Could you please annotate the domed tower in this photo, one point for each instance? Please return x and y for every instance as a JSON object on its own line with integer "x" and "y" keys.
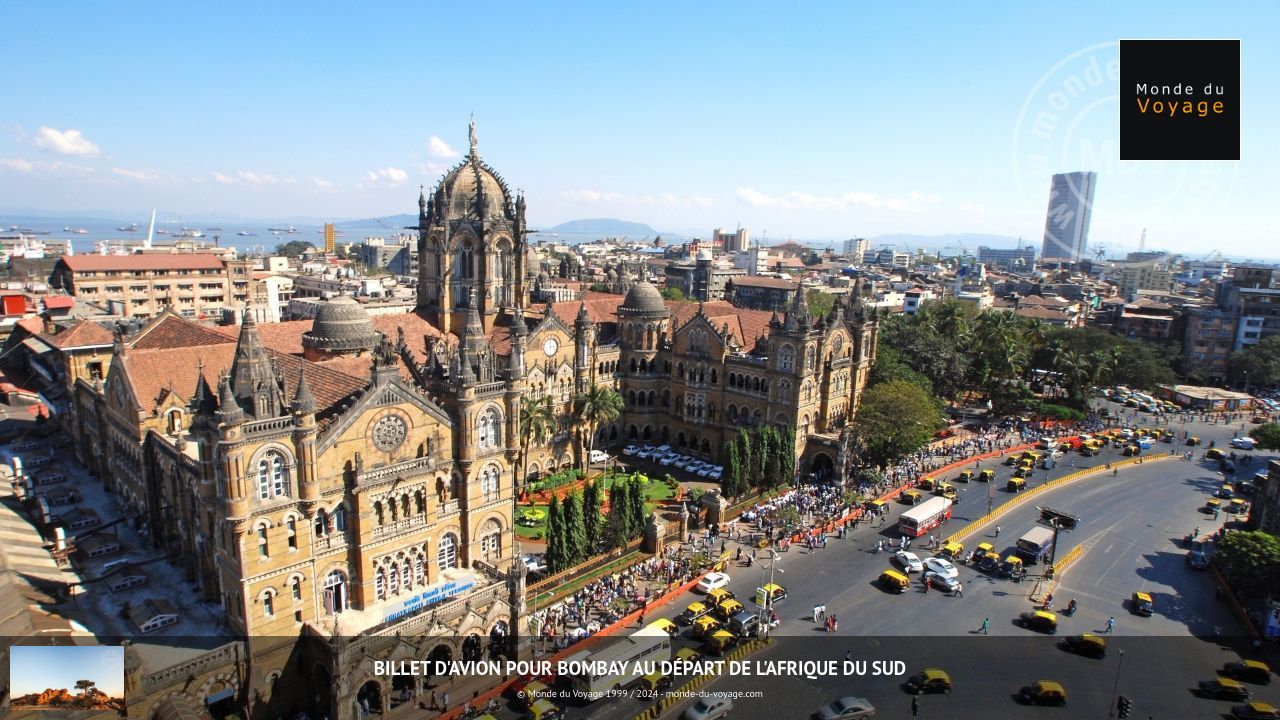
{"x": 642, "y": 322}
{"x": 341, "y": 327}
{"x": 471, "y": 238}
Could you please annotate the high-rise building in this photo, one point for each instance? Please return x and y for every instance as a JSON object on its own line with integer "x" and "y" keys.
{"x": 856, "y": 248}
{"x": 1066, "y": 225}
{"x": 1019, "y": 258}
{"x": 731, "y": 242}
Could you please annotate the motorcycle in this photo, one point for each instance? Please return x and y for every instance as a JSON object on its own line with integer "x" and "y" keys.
{"x": 1071, "y": 609}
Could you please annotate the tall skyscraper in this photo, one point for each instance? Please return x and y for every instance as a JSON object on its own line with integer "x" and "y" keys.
{"x": 731, "y": 242}
{"x": 1066, "y": 226}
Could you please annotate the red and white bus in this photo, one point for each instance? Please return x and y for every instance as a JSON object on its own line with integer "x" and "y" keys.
{"x": 924, "y": 517}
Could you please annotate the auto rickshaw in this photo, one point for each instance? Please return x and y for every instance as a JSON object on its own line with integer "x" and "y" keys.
{"x": 964, "y": 476}
{"x": 654, "y": 682}
{"x": 532, "y": 693}
{"x": 1193, "y": 441}
{"x": 544, "y": 710}
{"x": 926, "y": 484}
{"x": 912, "y": 497}
{"x": 1132, "y": 450}
{"x": 876, "y": 507}
{"x": 688, "y": 654}
{"x": 703, "y": 627}
{"x": 1238, "y": 507}
{"x": 1087, "y": 644}
{"x": 1012, "y": 460}
{"x": 666, "y": 626}
{"x": 989, "y": 562}
{"x": 1214, "y": 454}
{"x": 728, "y": 609}
{"x": 1012, "y": 567}
{"x": 717, "y": 596}
{"x": 947, "y": 491}
{"x": 1167, "y": 436}
{"x": 1254, "y": 671}
{"x": 1142, "y": 604}
{"x": 1023, "y": 472}
{"x": 721, "y": 642}
{"x": 952, "y": 550}
{"x": 1212, "y": 506}
{"x": 1015, "y": 485}
{"x": 987, "y": 475}
{"x": 894, "y": 581}
{"x": 1225, "y": 491}
{"x": 770, "y": 594}
{"x": 695, "y": 611}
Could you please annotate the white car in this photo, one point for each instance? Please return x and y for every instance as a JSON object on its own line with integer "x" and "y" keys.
{"x": 846, "y": 708}
{"x": 1243, "y": 443}
{"x": 599, "y": 456}
{"x": 668, "y": 459}
{"x": 664, "y": 449}
{"x": 695, "y": 466}
{"x": 715, "y": 474}
{"x": 680, "y": 461}
{"x": 630, "y": 450}
{"x": 644, "y": 453}
{"x": 941, "y": 566}
{"x": 713, "y": 581}
{"x": 706, "y": 471}
{"x": 909, "y": 561}
{"x": 709, "y": 708}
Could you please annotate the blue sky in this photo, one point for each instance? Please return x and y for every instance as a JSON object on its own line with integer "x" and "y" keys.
{"x": 806, "y": 121}
{"x": 34, "y": 669}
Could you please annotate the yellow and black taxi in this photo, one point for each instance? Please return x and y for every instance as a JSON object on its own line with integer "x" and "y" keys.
{"x": 1016, "y": 483}
{"x": 1255, "y": 711}
{"x": 1214, "y": 454}
{"x": 654, "y": 682}
{"x": 1142, "y": 604}
{"x": 695, "y": 611}
{"x": 964, "y": 476}
{"x": 1086, "y": 644}
{"x": 770, "y": 594}
{"x": 533, "y": 692}
{"x": 1132, "y": 450}
{"x": 666, "y": 626}
{"x": 721, "y": 642}
{"x": 1044, "y": 692}
{"x": 948, "y": 491}
{"x": 1193, "y": 441}
{"x": 1167, "y": 436}
{"x": 894, "y": 581}
{"x": 1041, "y": 621}
{"x": 951, "y": 550}
{"x": 989, "y": 561}
{"x": 926, "y": 484}
{"x": 717, "y": 596}
{"x": 1221, "y": 688}
{"x": 703, "y": 627}
{"x": 688, "y": 654}
{"x": 544, "y": 710}
{"x": 911, "y": 497}
{"x": 1012, "y": 460}
{"x": 728, "y": 609}
{"x": 1211, "y": 505}
{"x": 1251, "y": 671}
{"x": 987, "y": 475}
{"x": 930, "y": 680}
{"x": 1237, "y": 506}
{"x": 1224, "y": 491}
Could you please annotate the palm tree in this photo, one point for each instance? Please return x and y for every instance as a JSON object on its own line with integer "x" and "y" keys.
{"x": 537, "y": 423}
{"x": 949, "y": 320}
{"x": 597, "y": 405}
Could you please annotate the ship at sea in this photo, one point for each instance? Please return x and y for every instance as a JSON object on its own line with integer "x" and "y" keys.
{"x": 246, "y": 233}
{"x": 131, "y": 227}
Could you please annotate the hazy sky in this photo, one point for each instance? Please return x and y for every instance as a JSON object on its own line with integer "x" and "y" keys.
{"x": 822, "y": 120}
{"x": 36, "y": 669}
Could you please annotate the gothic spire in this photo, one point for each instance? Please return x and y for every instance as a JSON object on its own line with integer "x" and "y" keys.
{"x": 254, "y": 380}
{"x": 229, "y": 411}
{"x": 304, "y": 403}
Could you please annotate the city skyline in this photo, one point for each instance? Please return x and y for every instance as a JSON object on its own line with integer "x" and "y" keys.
{"x": 838, "y": 122}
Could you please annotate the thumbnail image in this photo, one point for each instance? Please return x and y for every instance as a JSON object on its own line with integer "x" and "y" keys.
{"x": 66, "y": 682}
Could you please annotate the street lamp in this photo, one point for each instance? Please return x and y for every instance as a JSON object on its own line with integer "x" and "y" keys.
{"x": 767, "y": 605}
{"x": 1115, "y": 689}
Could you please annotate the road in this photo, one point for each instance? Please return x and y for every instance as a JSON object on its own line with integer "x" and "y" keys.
{"x": 1131, "y": 529}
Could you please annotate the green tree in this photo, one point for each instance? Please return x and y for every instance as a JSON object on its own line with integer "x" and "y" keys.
{"x": 1259, "y": 364}
{"x": 895, "y": 419}
{"x": 773, "y": 457}
{"x": 537, "y": 424}
{"x": 1250, "y": 561}
{"x": 820, "y": 303}
{"x": 596, "y": 406}
{"x": 889, "y": 365}
{"x": 84, "y": 685}
{"x": 575, "y": 529}
{"x": 673, "y": 293}
{"x": 293, "y": 248}
{"x": 746, "y": 457}
{"x": 759, "y": 455}
{"x": 787, "y": 457}
{"x": 730, "y": 479}
{"x": 592, "y": 520}
{"x": 1267, "y": 435}
{"x": 635, "y": 508}
{"x": 557, "y": 557}
{"x": 617, "y": 528}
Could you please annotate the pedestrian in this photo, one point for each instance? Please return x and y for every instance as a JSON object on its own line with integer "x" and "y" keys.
{"x": 822, "y": 612}
{"x": 1111, "y": 624}
{"x": 997, "y": 531}
{"x": 434, "y": 705}
{"x": 816, "y": 610}
{"x": 959, "y": 589}
{"x": 986, "y": 625}
{"x": 444, "y": 702}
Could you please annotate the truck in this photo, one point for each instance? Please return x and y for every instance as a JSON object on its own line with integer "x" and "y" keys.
{"x": 1035, "y": 544}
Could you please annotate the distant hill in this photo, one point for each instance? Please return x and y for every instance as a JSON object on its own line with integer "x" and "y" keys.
{"x": 970, "y": 241}
{"x": 602, "y": 226}
{"x": 393, "y": 221}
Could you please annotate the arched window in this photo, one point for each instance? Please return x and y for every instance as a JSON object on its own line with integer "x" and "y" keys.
{"x": 291, "y": 531}
{"x": 322, "y": 523}
{"x": 175, "y": 421}
{"x": 340, "y": 518}
{"x": 447, "y": 553}
{"x": 263, "y": 549}
{"x": 419, "y": 570}
{"x": 269, "y": 603}
{"x": 491, "y": 540}
{"x": 489, "y": 429}
{"x": 335, "y": 591}
{"x": 810, "y": 357}
{"x": 296, "y": 586}
{"x": 380, "y": 584}
{"x": 273, "y": 482}
{"x": 786, "y": 358}
{"x": 466, "y": 268}
{"x": 489, "y": 483}
{"x": 393, "y": 580}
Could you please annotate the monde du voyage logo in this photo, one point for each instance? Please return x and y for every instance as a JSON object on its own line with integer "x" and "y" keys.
{"x": 1179, "y": 99}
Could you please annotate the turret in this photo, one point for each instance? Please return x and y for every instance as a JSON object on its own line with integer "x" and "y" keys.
{"x": 229, "y": 412}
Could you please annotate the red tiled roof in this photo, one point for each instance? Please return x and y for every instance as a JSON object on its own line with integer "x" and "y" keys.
{"x": 744, "y": 325}
{"x": 1040, "y": 312}
{"x": 285, "y": 337}
{"x": 149, "y": 261}
{"x": 59, "y": 302}
{"x": 33, "y": 325}
{"x": 83, "y": 334}
{"x": 169, "y": 330}
{"x": 762, "y": 281}
{"x": 601, "y": 308}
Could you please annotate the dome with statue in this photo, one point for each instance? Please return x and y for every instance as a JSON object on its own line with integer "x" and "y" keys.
{"x": 341, "y": 326}
{"x": 461, "y": 190}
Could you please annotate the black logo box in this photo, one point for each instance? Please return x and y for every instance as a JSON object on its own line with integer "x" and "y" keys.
{"x": 1154, "y": 125}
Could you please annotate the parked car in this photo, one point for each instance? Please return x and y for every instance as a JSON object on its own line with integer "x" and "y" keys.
{"x": 630, "y": 450}
{"x": 709, "y": 708}
{"x": 599, "y": 456}
{"x": 846, "y": 708}
{"x": 1224, "y": 689}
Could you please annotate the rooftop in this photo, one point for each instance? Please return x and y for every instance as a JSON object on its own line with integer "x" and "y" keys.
{"x": 170, "y": 261}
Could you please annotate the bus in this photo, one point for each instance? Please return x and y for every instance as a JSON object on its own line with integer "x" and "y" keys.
{"x": 924, "y": 517}
{"x": 648, "y": 644}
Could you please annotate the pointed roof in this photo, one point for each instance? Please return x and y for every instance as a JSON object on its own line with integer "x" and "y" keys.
{"x": 253, "y": 372}
{"x": 83, "y": 334}
{"x": 303, "y": 401}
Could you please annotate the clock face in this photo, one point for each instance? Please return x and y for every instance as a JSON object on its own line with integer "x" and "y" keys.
{"x": 550, "y": 346}
{"x": 389, "y": 432}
